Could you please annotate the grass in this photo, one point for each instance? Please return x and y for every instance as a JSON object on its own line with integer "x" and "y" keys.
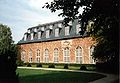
{"x": 44, "y": 76}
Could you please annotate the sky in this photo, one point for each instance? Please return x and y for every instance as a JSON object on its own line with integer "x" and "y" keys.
{"x": 20, "y": 15}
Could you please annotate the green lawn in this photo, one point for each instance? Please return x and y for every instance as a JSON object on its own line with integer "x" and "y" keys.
{"x": 44, "y": 76}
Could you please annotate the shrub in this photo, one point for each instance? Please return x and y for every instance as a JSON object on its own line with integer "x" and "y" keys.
{"x": 39, "y": 65}
{"x": 51, "y": 66}
{"x": 28, "y": 64}
{"x": 66, "y": 66}
{"x": 83, "y": 68}
{"x": 19, "y": 63}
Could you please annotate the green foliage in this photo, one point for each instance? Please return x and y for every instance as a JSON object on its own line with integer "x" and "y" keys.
{"x": 8, "y": 54}
{"x": 104, "y": 14}
{"x": 19, "y": 63}
{"x": 51, "y": 66}
{"x": 66, "y": 66}
{"x": 83, "y": 68}
{"x": 28, "y": 65}
{"x": 39, "y": 65}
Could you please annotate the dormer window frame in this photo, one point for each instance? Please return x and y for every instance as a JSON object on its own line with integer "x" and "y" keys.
{"x": 59, "y": 25}
{"x": 50, "y": 27}
{"x": 47, "y": 33}
{"x": 70, "y": 23}
{"x": 28, "y": 31}
{"x": 35, "y": 29}
{"x": 58, "y": 32}
{"x": 78, "y": 28}
{"x": 25, "y": 36}
{"x": 39, "y": 34}
{"x": 67, "y": 31}
{"x": 42, "y": 28}
{"x": 32, "y": 36}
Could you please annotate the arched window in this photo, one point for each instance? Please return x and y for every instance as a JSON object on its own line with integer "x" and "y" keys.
{"x": 79, "y": 55}
{"x": 30, "y": 56}
{"x": 23, "y": 53}
{"x": 56, "y": 55}
{"x": 46, "y": 56}
{"x": 66, "y": 55}
{"x": 90, "y": 57}
{"x": 38, "y": 56}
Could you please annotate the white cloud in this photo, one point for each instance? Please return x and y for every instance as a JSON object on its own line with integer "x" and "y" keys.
{"x": 26, "y": 14}
{"x": 37, "y": 4}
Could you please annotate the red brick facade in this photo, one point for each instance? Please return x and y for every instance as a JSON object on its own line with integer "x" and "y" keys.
{"x": 84, "y": 43}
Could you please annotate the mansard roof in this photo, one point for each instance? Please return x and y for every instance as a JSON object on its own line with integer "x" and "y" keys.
{"x": 34, "y": 31}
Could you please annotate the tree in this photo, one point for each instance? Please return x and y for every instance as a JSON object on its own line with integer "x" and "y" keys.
{"x": 8, "y": 54}
{"x": 104, "y": 14}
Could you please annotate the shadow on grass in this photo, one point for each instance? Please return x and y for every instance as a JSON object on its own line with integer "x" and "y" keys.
{"x": 61, "y": 77}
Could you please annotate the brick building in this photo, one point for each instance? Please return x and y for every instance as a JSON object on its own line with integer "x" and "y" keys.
{"x": 55, "y": 43}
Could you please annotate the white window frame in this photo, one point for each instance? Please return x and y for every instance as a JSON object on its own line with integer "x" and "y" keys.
{"x": 57, "y": 32}
{"x": 30, "y": 56}
{"x": 39, "y": 35}
{"x": 35, "y": 29}
{"x": 56, "y": 56}
{"x": 60, "y": 25}
{"x": 78, "y": 29}
{"x": 47, "y": 33}
{"x": 67, "y": 30}
{"x": 38, "y": 56}
{"x": 23, "y": 54}
{"x": 51, "y": 27}
{"x": 79, "y": 58}
{"x": 91, "y": 60}
{"x": 46, "y": 56}
{"x": 66, "y": 55}
{"x": 32, "y": 34}
{"x": 28, "y": 30}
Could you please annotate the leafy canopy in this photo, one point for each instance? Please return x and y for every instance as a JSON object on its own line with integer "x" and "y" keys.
{"x": 104, "y": 14}
{"x": 8, "y": 54}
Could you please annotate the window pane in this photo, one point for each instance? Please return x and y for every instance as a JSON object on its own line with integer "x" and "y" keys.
{"x": 47, "y": 33}
{"x": 38, "y": 56}
{"x": 67, "y": 30}
{"x": 66, "y": 55}
{"x": 56, "y": 32}
{"x": 91, "y": 52}
{"x": 23, "y": 56}
{"x": 78, "y": 55}
{"x": 46, "y": 56}
{"x": 39, "y": 35}
{"x": 78, "y": 29}
{"x": 56, "y": 55}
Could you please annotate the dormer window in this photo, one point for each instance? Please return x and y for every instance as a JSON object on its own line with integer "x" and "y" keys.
{"x": 32, "y": 34}
{"x": 60, "y": 25}
{"x": 47, "y": 33}
{"x": 70, "y": 23}
{"x": 35, "y": 29}
{"x": 78, "y": 29}
{"x": 51, "y": 27}
{"x": 56, "y": 32}
{"x": 67, "y": 30}
{"x": 42, "y": 29}
{"x": 28, "y": 30}
{"x": 39, "y": 35}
